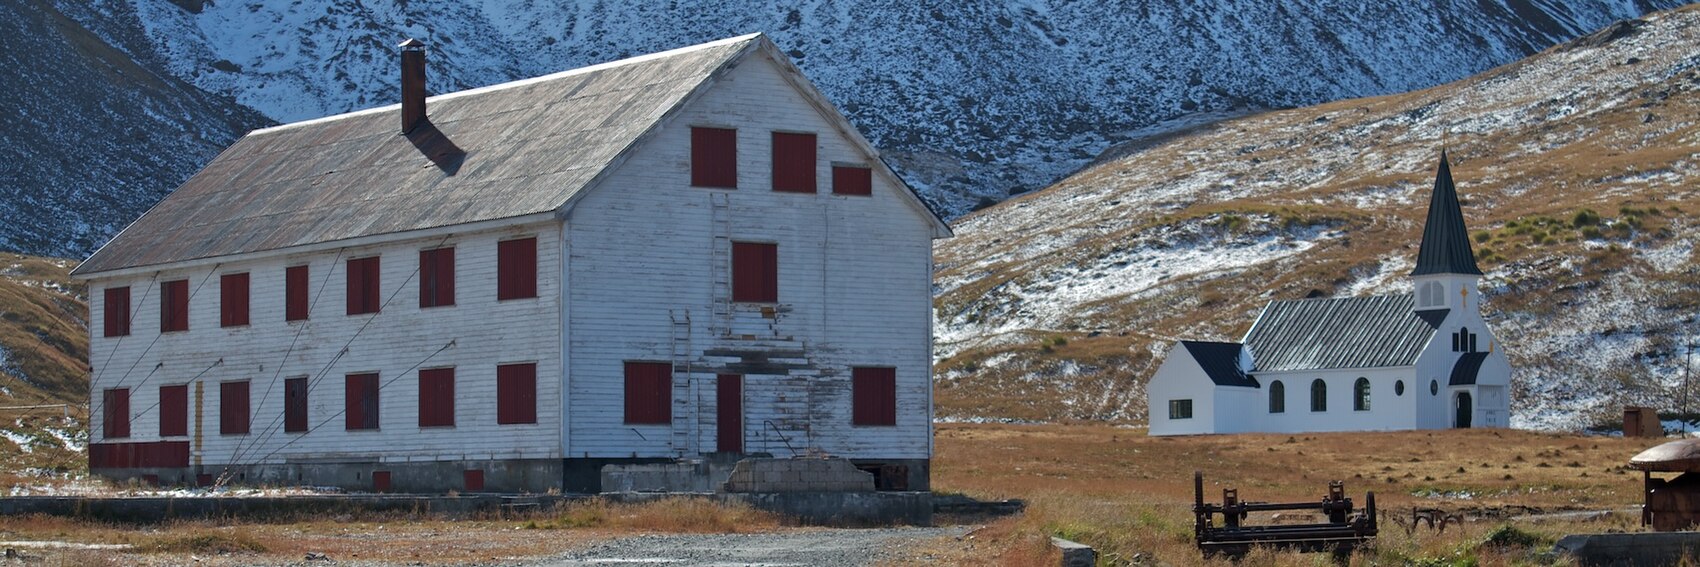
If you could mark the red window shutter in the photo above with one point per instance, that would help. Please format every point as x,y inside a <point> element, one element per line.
<point>361,401</point>
<point>233,408</point>
<point>874,396</point>
<point>516,269</point>
<point>295,293</point>
<point>437,397</point>
<point>793,162</point>
<point>649,393</point>
<point>852,181</point>
<point>714,157</point>
<point>516,393</point>
<point>363,286</point>
<point>117,306</point>
<point>437,277</point>
<point>233,300</point>
<point>174,410</point>
<point>174,306</point>
<point>295,405</point>
<point>473,480</point>
<point>755,272</point>
<point>115,413</point>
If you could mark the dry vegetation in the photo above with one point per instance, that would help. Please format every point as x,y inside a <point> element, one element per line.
<point>43,352</point>
<point>1130,495</point>
<point>1573,165</point>
<point>385,538</point>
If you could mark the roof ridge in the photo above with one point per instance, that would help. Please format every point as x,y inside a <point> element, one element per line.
<point>521,82</point>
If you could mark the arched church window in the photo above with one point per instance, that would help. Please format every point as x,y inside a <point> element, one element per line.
<point>1277,397</point>
<point>1318,395</point>
<point>1433,294</point>
<point>1360,394</point>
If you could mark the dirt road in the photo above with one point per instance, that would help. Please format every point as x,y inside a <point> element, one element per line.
<point>803,548</point>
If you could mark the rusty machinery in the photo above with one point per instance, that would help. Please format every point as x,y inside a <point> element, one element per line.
<point>1343,531</point>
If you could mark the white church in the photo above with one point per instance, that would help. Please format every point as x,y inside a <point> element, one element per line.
<point>1420,360</point>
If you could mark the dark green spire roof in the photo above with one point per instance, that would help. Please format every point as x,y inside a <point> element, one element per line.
<point>1446,242</point>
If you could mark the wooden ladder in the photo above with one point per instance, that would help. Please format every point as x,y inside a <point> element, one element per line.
<point>684,411</point>
<point>720,263</point>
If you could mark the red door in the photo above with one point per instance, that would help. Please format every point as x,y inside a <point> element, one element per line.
<point>729,413</point>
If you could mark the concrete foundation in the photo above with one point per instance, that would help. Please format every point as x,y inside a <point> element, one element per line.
<point>798,475</point>
<point>162,509</point>
<point>428,477</point>
<point>1631,549</point>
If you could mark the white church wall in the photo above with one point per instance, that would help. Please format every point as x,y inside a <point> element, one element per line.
<point>1181,378</point>
<point>1387,409</point>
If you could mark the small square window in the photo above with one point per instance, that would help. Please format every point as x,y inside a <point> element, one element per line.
<point>1180,409</point>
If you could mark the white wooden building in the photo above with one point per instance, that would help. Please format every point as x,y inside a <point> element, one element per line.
<point>681,254</point>
<point>1420,360</point>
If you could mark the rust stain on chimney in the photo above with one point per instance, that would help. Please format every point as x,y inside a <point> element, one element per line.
<point>412,84</point>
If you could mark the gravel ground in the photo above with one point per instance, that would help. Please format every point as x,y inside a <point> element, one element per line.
<point>806,548</point>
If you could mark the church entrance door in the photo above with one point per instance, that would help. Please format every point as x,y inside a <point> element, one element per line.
<point>1461,403</point>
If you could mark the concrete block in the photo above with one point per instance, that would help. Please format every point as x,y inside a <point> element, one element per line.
<point>1075,554</point>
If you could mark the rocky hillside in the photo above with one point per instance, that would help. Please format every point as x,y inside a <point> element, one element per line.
<point>43,352</point>
<point>1578,170</point>
<point>96,131</point>
<point>971,102</point>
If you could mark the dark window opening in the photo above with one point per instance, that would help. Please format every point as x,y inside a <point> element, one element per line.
<point>233,300</point>
<point>117,312</point>
<point>1180,409</point>
<point>295,405</point>
<point>873,396</point>
<point>115,413</point>
<point>1360,395</point>
<point>516,269</point>
<point>174,306</point>
<point>714,157</point>
<point>516,393</point>
<point>361,401</point>
<point>174,410</point>
<point>295,293</point>
<point>363,286</point>
<point>1318,396</point>
<point>437,277</point>
<point>858,181</point>
<point>1277,397</point>
<point>755,272</point>
<point>793,162</point>
<point>649,393</point>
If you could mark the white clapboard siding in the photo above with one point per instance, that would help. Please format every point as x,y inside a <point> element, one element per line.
<point>485,333</point>
<point>854,285</point>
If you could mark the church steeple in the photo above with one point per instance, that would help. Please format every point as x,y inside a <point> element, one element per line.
<point>1446,242</point>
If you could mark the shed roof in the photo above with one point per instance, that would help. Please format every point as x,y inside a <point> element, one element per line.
<point>498,152</point>
<point>1220,361</point>
<point>1356,332</point>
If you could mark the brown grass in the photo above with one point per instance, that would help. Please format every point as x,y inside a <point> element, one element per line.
<point>1130,495</point>
<point>670,515</point>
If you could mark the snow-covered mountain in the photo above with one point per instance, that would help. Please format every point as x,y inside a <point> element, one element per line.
<point>971,101</point>
<point>1577,168</point>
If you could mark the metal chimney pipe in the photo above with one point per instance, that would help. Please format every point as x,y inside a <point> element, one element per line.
<point>412,84</point>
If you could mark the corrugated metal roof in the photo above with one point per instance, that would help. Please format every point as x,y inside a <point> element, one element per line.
<point>1446,241</point>
<point>1464,372</point>
<point>497,152</point>
<point>1357,332</point>
<point>1220,361</point>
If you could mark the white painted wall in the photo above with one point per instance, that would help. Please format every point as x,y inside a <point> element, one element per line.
<point>485,333</point>
<point>1388,410</point>
<point>1181,378</point>
<point>854,288</point>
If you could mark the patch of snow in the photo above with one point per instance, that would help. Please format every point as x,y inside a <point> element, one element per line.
<point>23,441</point>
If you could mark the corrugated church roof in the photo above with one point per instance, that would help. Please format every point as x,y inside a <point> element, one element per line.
<point>1446,241</point>
<point>1356,332</point>
<point>1220,361</point>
